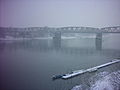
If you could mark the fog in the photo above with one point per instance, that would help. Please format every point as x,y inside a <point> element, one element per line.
<point>57,13</point>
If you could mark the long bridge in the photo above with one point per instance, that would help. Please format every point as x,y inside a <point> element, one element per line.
<point>56,33</point>
<point>83,30</point>
<point>98,31</point>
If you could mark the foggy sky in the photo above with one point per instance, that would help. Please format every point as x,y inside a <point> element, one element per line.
<point>57,13</point>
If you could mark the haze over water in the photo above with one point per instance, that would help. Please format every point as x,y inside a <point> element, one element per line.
<point>30,64</point>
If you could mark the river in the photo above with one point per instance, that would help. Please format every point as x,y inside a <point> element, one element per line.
<point>30,64</point>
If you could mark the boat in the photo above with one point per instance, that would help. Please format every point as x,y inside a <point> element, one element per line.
<point>57,77</point>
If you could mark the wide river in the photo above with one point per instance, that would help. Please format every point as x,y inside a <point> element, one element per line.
<point>30,64</point>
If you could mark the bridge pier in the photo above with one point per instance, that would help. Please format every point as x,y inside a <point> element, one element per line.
<point>98,41</point>
<point>57,40</point>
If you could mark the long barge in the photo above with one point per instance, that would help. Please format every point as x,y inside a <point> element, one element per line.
<point>78,72</point>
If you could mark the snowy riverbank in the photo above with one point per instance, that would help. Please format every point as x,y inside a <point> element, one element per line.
<point>102,81</point>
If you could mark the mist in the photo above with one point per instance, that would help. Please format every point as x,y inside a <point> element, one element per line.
<point>58,13</point>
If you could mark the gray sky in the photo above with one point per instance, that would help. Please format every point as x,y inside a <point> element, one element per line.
<point>57,13</point>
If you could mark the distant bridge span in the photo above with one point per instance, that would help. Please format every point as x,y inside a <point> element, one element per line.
<point>84,30</point>
<point>57,32</point>
<point>98,31</point>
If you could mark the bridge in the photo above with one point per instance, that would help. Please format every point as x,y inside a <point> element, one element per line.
<point>98,31</point>
<point>56,33</point>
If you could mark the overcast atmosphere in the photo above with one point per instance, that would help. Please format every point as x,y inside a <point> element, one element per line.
<point>60,44</point>
<point>57,13</point>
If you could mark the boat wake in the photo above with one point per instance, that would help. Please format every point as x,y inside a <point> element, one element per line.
<point>102,81</point>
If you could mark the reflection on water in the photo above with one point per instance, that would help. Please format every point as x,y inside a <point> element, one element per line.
<point>30,64</point>
<point>48,46</point>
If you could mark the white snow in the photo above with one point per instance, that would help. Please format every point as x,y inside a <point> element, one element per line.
<point>103,81</point>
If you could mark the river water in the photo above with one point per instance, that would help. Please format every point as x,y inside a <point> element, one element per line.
<point>30,64</point>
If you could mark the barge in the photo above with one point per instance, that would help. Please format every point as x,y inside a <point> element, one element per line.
<point>78,72</point>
